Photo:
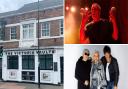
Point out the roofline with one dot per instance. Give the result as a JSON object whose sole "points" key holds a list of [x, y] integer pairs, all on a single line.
{"points": [[31, 11], [34, 48]]}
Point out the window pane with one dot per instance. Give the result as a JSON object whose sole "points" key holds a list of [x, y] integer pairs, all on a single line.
{"points": [[2, 29], [25, 26], [61, 31], [31, 30], [13, 36], [42, 61], [13, 30], [28, 62], [45, 29], [12, 62], [46, 62], [28, 31], [45, 33], [31, 62], [25, 32], [27, 75], [61, 27], [1, 34], [49, 62], [31, 25], [24, 62], [31, 33]]}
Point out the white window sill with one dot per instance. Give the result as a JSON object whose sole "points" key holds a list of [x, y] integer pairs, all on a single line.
{"points": [[13, 40], [27, 39], [9, 41], [51, 37]]}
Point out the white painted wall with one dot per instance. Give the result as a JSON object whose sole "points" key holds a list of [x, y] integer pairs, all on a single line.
{"points": [[73, 52], [20, 68], [54, 75], [56, 58], [4, 67]]}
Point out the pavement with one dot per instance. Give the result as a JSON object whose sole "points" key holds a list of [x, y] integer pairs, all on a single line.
{"points": [[12, 85]]}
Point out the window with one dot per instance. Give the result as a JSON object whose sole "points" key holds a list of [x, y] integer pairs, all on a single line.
{"points": [[28, 31], [2, 30], [28, 62], [61, 27], [46, 62], [13, 33], [1, 34], [12, 62], [45, 29], [28, 75]]}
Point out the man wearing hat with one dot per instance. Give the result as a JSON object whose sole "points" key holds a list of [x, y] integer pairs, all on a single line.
{"points": [[82, 71]]}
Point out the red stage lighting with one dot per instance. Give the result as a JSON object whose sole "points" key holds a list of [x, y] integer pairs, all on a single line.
{"points": [[73, 9], [67, 8], [86, 8]]}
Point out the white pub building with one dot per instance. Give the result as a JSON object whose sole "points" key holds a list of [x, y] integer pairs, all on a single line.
{"points": [[19, 38]]}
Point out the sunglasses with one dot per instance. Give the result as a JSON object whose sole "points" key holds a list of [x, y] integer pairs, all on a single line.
{"points": [[86, 54]]}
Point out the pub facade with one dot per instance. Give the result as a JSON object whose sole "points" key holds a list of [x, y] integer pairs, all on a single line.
{"points": [[26, 46]]}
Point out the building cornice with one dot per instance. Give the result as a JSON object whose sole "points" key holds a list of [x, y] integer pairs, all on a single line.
{"points": [[34, 48], [53, 7], [41, 20]]}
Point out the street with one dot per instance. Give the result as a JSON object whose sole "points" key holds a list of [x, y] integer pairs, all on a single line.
{"points": [[10, 85]]}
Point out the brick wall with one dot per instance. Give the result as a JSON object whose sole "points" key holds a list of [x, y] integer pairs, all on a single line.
{"points": [[8, 45], [54, 27], [51, 42], [43, 14]]}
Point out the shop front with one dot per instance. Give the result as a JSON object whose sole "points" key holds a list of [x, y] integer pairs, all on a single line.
{"points": [[21, 65]]}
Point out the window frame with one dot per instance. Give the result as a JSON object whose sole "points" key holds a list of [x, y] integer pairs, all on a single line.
{"points": [[46, 60], [1, 35], [28, 62], [26, 76], [13, 33], [45, 36], [8, 62], [60, 27], [27, 31]]}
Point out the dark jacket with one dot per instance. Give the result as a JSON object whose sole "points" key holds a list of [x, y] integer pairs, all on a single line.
{"points": [[113, 69], [99, 32], [82, 72]]}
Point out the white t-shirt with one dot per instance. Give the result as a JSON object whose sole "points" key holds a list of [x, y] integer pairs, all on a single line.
{"points": [[107, 72]]}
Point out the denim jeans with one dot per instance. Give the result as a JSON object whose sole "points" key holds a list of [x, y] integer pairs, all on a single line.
{"points": [[94, 87], [110, 85]]}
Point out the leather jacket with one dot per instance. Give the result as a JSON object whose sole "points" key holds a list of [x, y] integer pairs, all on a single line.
{"points": [[113, 69]]}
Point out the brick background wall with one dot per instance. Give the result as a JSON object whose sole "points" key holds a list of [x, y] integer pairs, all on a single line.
{"points": [[43, 14], [54, 27]]}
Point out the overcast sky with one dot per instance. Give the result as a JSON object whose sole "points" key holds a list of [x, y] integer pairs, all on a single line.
{"points": [[9, 5]]}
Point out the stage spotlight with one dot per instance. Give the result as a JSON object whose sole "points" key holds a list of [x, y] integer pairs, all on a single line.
{"points": [[86, 8], [67, 8], [73, 9]]}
